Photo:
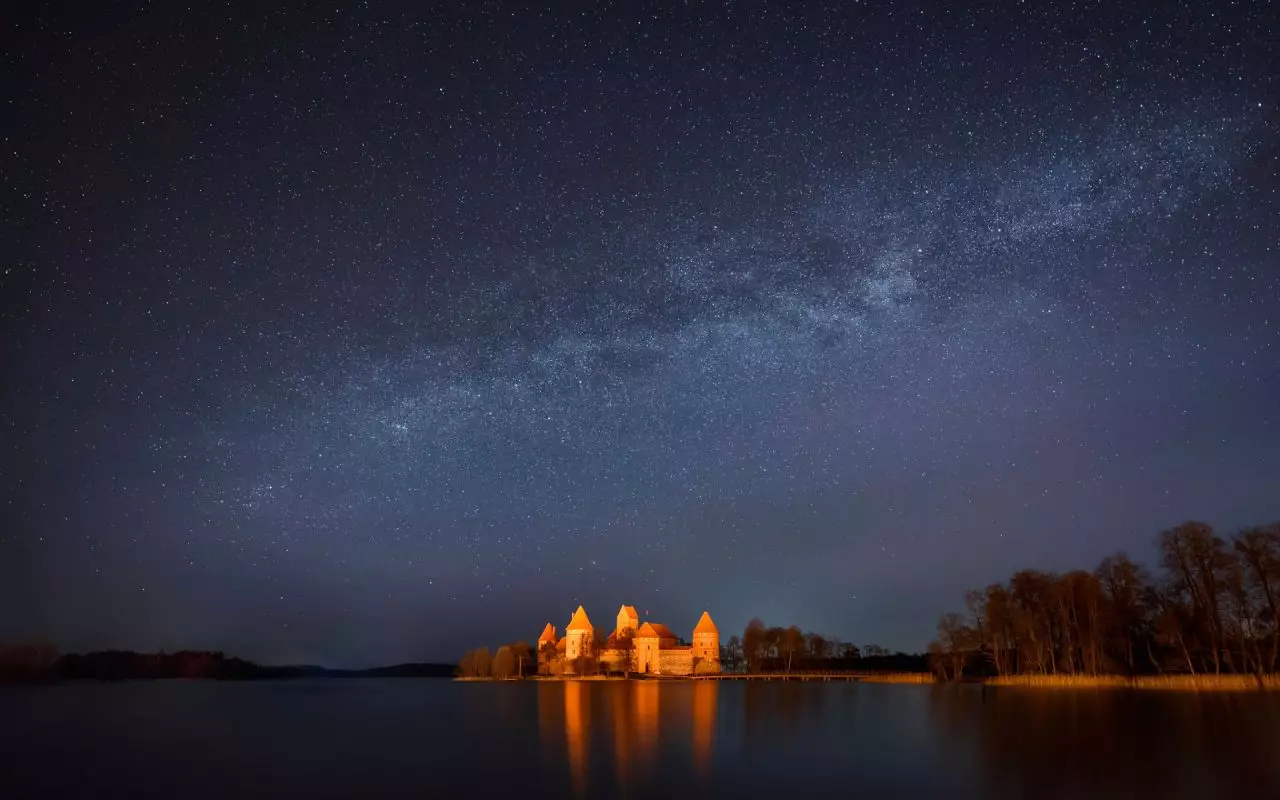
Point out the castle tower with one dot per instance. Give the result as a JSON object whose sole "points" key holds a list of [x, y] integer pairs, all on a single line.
{"points": [[706, 645], [578, 636], [648, 644], [628, 621]]}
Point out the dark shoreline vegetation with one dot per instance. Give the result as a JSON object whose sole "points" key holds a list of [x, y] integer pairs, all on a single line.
{"points": [[41, 663], [1209, 619], [1212, 611]]}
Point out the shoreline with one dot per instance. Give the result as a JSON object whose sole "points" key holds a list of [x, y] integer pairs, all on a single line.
{"points": [[1165, 683], [889, 677]]}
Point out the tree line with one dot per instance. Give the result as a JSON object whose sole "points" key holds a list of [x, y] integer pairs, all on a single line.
{"points": [[42, 662], [520, 660], [763, 649], [508, 661], [1211, 606]]}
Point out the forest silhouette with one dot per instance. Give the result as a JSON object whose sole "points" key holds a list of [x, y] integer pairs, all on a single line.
{"points": [[1212, 608]]}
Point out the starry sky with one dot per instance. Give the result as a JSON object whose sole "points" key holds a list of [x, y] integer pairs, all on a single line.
{"points": [[375, 332]]}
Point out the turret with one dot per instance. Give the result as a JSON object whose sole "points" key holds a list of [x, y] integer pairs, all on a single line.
{"points": [[628, 621], [706, 639], [578, 635]]}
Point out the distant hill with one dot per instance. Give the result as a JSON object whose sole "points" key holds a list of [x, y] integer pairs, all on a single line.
{"points": [[410, 670], [25, 663]]}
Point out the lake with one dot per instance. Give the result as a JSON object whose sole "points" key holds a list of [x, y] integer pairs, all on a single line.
{"points": [[437, 738]]}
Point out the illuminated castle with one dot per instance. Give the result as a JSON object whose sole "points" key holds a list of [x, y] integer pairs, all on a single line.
{"points": [[652, 647]]}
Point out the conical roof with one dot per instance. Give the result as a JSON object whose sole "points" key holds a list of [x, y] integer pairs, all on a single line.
{"points": [[705, 625], [579, 621], [548, 634]]}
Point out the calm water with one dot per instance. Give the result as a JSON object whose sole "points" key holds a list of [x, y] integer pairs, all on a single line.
{"points": [[431, 738]]}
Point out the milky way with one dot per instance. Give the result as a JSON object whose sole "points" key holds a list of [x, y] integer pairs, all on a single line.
{"points": [[357, 337]]}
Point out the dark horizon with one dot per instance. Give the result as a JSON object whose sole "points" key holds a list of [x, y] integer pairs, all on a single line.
{"points": [[364, 336], [954, 634]]}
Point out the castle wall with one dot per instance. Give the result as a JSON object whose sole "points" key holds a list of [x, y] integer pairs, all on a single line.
{"points": [[613, 658], [706, 666], [676, 661], [647, 655]]}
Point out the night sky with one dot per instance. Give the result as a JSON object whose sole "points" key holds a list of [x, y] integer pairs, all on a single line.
{"points": [[370, 334]]}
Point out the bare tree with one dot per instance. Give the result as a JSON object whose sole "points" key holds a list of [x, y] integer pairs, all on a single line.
{"points": [[521, 652], [975, 603], [957, 642], [1196, 560], [939, 661], [791, 642], [475, 663], [1259, 551], [998, 611], [1123, 585], [817, 646], [773, 645], [504, 664], [733, 654], [546, 654], [753, 644]]}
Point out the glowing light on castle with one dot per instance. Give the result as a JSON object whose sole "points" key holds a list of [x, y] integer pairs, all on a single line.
{"points": [[648, 648]]}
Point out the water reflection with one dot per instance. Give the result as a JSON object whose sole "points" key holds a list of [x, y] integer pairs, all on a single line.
{"points": [[1114, 743], [642, 738], [704, 724], [628, 714], [644, 697], [577, 728], [551, 726], [774, 707], [624, 741]]}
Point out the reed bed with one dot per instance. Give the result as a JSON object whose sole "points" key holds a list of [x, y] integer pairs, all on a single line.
{"points": [[898, 677], [1179, 683]]}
